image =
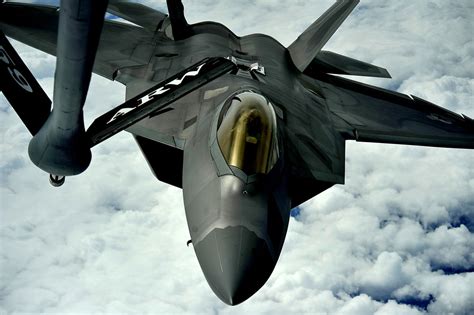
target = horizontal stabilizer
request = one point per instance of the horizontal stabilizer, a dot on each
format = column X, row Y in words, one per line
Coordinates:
column 21, row 89
column 158, row 97
column 60, row 147
column 329, row 62
column 137, row 13
column 305, row 48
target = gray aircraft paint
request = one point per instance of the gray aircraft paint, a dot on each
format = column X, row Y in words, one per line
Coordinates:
column 238, row 221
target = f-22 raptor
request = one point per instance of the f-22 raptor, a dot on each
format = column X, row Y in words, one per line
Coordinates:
column 248, row 128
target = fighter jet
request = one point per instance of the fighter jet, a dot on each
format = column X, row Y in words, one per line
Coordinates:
column 248, row 128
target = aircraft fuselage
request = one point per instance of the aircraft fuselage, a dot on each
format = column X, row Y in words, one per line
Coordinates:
column 238, row 206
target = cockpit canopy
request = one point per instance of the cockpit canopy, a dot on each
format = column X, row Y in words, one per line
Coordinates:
column 247, row 133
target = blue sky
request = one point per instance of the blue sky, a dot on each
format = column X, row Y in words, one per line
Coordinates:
column 396, row 239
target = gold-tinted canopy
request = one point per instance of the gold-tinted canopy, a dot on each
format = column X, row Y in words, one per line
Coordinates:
column 247, row 133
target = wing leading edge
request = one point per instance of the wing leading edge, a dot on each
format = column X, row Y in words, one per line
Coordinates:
column 370, row 114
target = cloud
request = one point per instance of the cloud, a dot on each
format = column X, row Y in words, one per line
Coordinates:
column 396, row 239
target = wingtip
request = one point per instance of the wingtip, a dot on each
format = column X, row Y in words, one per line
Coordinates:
column 467, row 118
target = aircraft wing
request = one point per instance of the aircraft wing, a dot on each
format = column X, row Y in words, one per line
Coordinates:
column 370, row 114
column 121, row 45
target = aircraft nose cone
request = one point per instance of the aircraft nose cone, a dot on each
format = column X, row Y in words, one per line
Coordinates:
column 235, row 262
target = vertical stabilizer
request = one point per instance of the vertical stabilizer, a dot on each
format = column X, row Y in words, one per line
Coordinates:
column 179, row 25
column 21, row 89
column 305, row 48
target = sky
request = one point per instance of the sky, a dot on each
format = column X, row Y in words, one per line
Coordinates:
column 397, row 238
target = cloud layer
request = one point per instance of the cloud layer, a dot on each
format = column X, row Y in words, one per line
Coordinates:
column 396, row 239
